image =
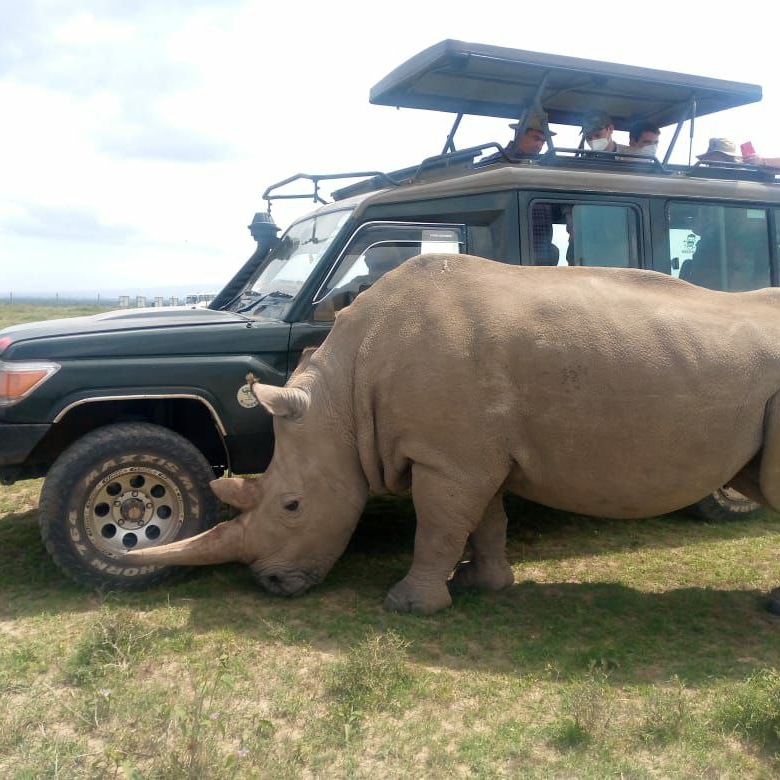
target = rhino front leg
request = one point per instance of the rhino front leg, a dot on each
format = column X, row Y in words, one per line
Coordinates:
column 488, row 568
column 446, row 514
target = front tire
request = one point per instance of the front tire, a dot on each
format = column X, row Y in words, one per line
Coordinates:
column 726, row 505
column 122, row 487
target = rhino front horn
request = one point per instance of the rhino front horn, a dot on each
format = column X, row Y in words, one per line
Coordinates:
column 221, row 544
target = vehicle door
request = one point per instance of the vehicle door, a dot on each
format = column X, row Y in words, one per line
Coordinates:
column 374, row 249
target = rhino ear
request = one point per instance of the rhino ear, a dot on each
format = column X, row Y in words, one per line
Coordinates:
column 238, row 492
column 289, row 402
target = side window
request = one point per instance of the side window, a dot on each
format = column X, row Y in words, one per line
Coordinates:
column 720, row 247
column 604, row 235
column 592, row 234
column 373, row 251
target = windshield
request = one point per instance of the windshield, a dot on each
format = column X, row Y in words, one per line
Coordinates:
column 291, row 263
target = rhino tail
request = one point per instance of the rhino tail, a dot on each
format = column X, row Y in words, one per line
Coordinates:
column 221, row 544
column 769, row 474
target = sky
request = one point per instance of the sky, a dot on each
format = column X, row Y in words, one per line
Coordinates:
column 138, row 136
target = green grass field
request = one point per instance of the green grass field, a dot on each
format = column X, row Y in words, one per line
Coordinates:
column 638, row 649
column 15, row 313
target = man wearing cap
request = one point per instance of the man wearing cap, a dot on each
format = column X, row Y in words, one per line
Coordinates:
column 720, row 150
column 524, row 145
column 528, row 144
column 597, row 129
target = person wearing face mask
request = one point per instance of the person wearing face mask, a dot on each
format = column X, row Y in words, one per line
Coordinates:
column 643, row 138
column 597, row 129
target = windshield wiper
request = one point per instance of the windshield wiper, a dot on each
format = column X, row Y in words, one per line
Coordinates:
column 258, row 298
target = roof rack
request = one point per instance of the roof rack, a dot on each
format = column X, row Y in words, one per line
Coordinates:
column 721, row 169
column 586, row 158
column 439, row 164
column 444, row 165
column 381, row 179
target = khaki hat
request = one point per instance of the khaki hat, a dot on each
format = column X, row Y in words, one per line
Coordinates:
column 722, row 145
column 594, row 121
column 533, row 123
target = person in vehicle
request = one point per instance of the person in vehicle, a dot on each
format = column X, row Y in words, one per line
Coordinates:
column 731, row 253
column 720, row 150
column 703, row 267
column 378, row 260
column 545, row 252
column 597, row 130
column 768, row 162
column 744, row 272
column 643, row 137
column 568, row 217
column 525, row 144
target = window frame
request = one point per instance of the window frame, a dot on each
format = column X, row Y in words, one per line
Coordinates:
column 397, row 232
column 771, row 220
column 639, row 205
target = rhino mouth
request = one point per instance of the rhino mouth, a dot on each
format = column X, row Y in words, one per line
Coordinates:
column 286, row 583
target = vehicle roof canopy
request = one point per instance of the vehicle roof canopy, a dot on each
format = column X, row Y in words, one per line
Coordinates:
column 493, row 81
column 472, row 78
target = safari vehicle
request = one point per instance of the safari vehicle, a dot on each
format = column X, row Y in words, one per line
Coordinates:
column 130, row 414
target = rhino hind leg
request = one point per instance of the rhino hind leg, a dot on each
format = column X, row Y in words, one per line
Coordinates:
column 488, row 568
column 769, row 473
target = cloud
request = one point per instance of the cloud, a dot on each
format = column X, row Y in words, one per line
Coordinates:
column 69, row 224
column 115, row 54
column 49, row 45
column 156, row 139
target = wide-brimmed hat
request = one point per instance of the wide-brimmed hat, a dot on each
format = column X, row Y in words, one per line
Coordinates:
column 594, row 121
column 722, row 145
column 532, row 123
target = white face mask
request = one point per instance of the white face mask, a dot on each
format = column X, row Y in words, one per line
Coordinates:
column 649, row 150
column 598, row 144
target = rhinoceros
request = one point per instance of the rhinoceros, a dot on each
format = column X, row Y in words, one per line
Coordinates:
column 610, row 392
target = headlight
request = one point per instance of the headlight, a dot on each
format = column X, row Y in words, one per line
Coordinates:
column 18, row 380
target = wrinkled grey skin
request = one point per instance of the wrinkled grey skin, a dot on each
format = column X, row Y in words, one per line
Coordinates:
column 608, row 392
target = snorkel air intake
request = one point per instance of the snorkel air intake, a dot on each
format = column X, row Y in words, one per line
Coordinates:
column 263, row 230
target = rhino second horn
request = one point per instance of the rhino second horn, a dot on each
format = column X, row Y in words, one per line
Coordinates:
column 221, row 544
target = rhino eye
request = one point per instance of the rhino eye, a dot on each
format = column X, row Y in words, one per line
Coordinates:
column 291, row 506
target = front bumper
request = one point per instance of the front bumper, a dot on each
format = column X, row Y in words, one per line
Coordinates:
column 16, row 443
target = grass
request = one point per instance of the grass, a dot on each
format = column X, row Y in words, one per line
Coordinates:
column 625, row 648
column 633, row 647
column 17, row 313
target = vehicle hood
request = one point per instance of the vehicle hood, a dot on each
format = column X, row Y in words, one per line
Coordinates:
column 163, row 330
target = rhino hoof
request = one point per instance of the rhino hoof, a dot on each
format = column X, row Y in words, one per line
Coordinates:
column 403, row 598
column 469, row 575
